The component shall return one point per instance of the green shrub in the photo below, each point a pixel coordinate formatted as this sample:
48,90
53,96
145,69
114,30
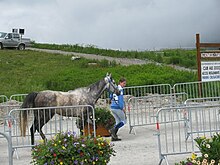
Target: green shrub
210,150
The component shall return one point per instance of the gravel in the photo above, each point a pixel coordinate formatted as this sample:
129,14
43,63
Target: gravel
121,61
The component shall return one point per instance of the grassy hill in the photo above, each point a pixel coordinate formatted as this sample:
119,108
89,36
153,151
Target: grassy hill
26,71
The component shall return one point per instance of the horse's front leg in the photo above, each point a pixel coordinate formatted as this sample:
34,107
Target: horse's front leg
44,119
43,136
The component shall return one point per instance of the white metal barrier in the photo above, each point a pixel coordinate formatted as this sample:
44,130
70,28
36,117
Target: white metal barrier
3,111
12,127
175,122
10,150
198,89
142,110
204,101
52,124
138,91
13,102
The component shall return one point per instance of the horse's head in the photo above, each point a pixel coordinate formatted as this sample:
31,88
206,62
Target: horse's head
110,84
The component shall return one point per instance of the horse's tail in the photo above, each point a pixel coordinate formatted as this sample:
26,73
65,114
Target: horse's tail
29,102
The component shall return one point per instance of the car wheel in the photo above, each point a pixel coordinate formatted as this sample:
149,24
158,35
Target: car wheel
1,46
21,47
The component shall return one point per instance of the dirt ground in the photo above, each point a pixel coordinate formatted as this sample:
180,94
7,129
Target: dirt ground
134,149
121,61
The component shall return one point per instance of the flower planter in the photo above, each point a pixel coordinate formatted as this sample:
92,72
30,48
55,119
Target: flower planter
100,131
67,148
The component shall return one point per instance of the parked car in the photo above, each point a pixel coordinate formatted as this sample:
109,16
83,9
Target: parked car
13,40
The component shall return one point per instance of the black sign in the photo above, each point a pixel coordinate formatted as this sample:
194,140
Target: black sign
21,31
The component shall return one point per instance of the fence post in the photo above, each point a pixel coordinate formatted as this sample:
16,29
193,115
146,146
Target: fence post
8,137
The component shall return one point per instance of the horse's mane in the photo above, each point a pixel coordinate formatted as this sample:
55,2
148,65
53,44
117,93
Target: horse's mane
95,86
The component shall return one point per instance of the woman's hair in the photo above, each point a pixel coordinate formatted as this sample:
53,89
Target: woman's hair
122,80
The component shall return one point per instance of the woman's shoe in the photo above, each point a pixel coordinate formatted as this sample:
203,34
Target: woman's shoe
116,139
113,134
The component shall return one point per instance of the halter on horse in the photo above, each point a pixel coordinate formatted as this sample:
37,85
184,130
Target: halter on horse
81,96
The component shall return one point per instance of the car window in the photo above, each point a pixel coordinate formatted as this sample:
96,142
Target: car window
15,35
2,35
9,36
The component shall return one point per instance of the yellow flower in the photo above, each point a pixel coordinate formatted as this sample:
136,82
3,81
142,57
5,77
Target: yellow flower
193,156
41,141
100,138
63,147
85,160
203,137
93,162
108,141
55,144
61,163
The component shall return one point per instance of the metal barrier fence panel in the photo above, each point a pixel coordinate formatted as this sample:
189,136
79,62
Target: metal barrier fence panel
13,102
174,124
3,108
199,89
10,151
137,91
3,99
18,97
204,121
204,101
142,110
53,126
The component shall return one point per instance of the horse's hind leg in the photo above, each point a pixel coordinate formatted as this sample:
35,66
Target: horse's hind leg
37,126
33,129
43,120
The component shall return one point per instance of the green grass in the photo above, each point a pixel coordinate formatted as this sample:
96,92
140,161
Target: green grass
27,71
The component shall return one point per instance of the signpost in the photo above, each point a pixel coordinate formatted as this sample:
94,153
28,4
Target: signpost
208,62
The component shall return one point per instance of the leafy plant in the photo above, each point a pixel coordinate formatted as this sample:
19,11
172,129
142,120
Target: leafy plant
210,149
67,148
104,117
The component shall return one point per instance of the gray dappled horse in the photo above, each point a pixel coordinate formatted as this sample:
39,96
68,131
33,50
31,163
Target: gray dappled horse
81,96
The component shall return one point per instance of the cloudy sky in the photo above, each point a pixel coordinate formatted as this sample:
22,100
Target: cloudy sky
114,24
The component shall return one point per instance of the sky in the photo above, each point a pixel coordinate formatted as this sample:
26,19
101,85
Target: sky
114,24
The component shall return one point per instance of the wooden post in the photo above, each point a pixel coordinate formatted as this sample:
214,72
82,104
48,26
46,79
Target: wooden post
198,56
199,63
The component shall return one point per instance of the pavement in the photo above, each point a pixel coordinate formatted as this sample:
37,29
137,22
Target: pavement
138,148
